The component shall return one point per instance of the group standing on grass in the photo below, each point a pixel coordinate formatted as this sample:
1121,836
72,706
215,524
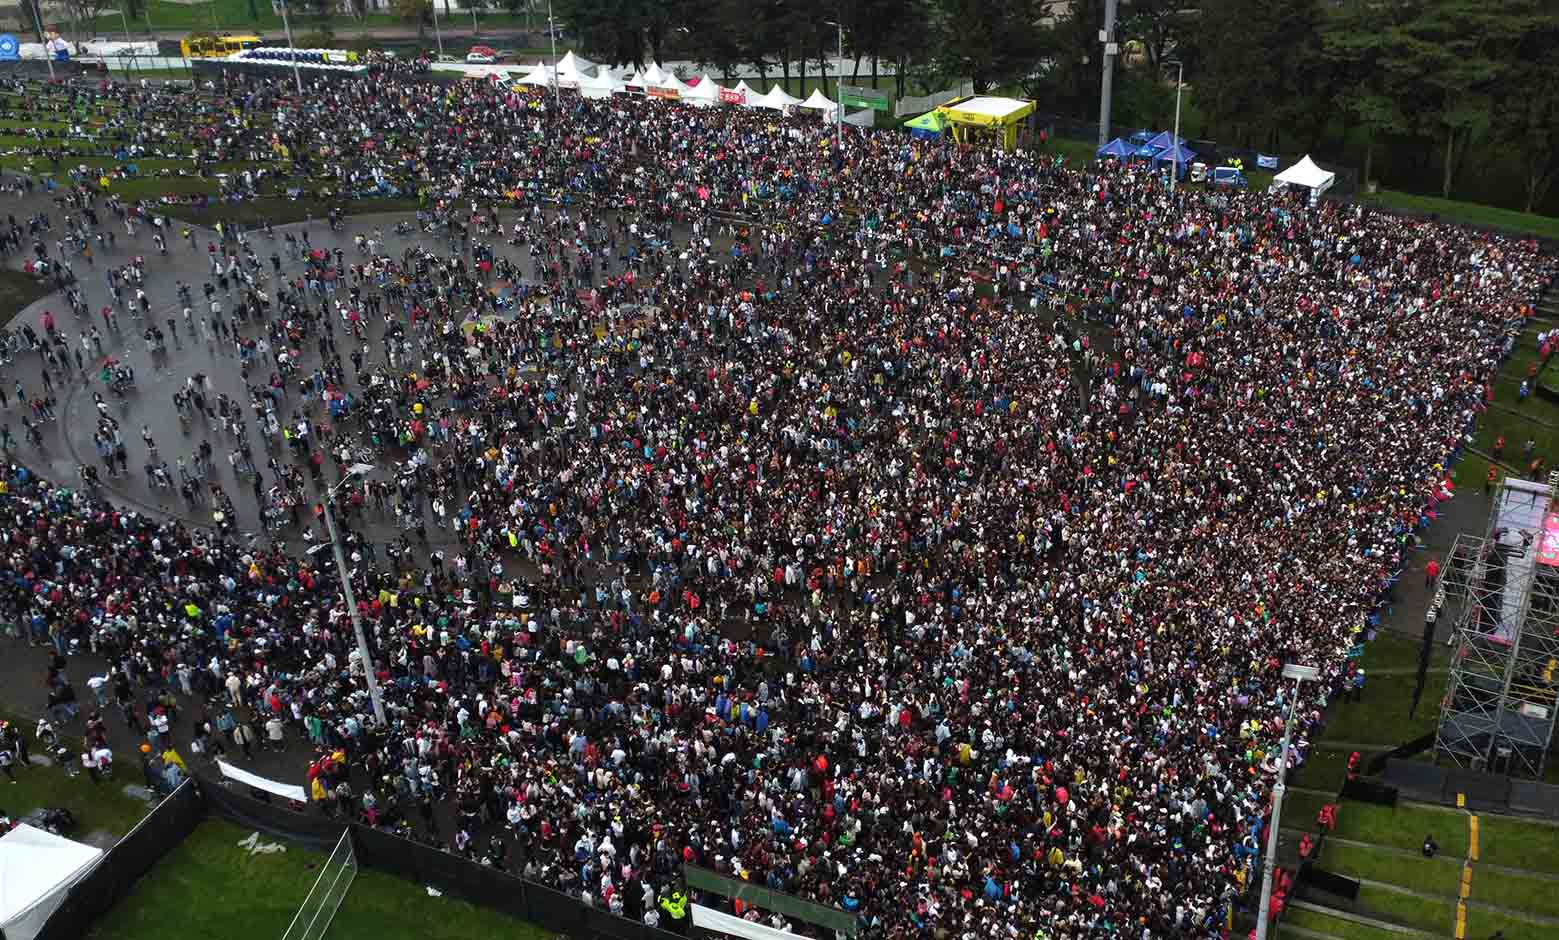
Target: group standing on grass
791,516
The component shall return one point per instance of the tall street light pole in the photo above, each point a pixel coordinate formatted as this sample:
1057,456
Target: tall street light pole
354,472
130,52
1174,165
48,53
286,24
437,35
552,34
1269,864
1107,83
839,90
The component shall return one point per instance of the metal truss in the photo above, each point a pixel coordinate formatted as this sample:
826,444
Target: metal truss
1501,699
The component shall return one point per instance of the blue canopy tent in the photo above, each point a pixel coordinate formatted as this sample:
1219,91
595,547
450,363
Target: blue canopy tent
1165,140
1140,137
1180,157
1144,152
1116,148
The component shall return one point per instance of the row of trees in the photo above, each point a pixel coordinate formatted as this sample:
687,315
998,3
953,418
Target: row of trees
1423,83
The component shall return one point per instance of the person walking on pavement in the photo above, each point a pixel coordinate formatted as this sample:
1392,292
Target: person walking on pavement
1431,572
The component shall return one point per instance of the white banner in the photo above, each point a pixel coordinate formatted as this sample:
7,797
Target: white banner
710,919
284,790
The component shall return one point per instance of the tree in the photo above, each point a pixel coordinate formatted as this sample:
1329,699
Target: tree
1353,42
85,13
419,11
1258,71
1446,62
989,42
1156,24
1526,113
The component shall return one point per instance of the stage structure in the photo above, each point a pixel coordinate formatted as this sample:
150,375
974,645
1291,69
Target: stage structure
1500,702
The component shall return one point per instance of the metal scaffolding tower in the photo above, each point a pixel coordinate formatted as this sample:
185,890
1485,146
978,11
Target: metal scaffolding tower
1501,699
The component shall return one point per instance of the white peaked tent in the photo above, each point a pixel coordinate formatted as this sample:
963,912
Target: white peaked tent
540,74
706,92
602,86
654,75
36,869
776,99
1306,174
745,90
571,69
671,81
818,101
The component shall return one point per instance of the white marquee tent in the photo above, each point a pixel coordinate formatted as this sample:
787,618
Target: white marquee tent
746,91
706,92
818,101
602,86
571,69
1307,175
36,869
776,99
671,81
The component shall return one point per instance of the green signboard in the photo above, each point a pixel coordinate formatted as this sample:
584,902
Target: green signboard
858,96
830,917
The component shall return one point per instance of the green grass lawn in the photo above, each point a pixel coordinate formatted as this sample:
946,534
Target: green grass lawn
1403,827
1331,926
1409,910
1442,876
1381,716
1467,213
210,887
17,290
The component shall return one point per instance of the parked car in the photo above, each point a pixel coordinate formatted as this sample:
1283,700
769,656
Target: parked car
1228,177
481,55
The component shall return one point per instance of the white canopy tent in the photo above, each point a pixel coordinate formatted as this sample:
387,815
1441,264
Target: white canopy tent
36,869
602,86
746,92
706,92
1307,175
671,81
541,74
654,75
818,101
776,99
571,69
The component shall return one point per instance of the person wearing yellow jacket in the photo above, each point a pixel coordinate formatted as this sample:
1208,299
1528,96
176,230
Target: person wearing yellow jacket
675,907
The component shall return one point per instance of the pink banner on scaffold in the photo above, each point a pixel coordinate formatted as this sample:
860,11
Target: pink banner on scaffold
1548,545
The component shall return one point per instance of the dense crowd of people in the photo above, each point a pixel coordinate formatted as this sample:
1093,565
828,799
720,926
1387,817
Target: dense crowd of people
915,528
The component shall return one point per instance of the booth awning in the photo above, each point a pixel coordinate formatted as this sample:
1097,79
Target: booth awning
36,869
1305,173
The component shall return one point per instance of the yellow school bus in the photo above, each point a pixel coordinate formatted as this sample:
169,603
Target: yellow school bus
213,46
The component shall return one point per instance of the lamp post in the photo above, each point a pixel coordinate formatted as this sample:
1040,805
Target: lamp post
353,472
552,36
437,35
125,20
48,53
839,89
1174,165
1300,675
1107,80
286,24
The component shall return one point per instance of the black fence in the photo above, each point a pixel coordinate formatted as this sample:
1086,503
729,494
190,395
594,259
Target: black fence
1418,745
426,865
110,880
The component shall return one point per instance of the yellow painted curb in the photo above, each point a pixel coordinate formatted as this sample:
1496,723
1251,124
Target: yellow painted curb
1466,881
1461,801
1472,837
1461,920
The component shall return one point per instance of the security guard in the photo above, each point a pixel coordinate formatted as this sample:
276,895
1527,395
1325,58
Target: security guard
675,907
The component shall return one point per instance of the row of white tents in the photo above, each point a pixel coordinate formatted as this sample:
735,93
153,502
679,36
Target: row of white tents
599,81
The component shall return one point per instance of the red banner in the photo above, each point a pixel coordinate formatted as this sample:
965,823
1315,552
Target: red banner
670,93
733,96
